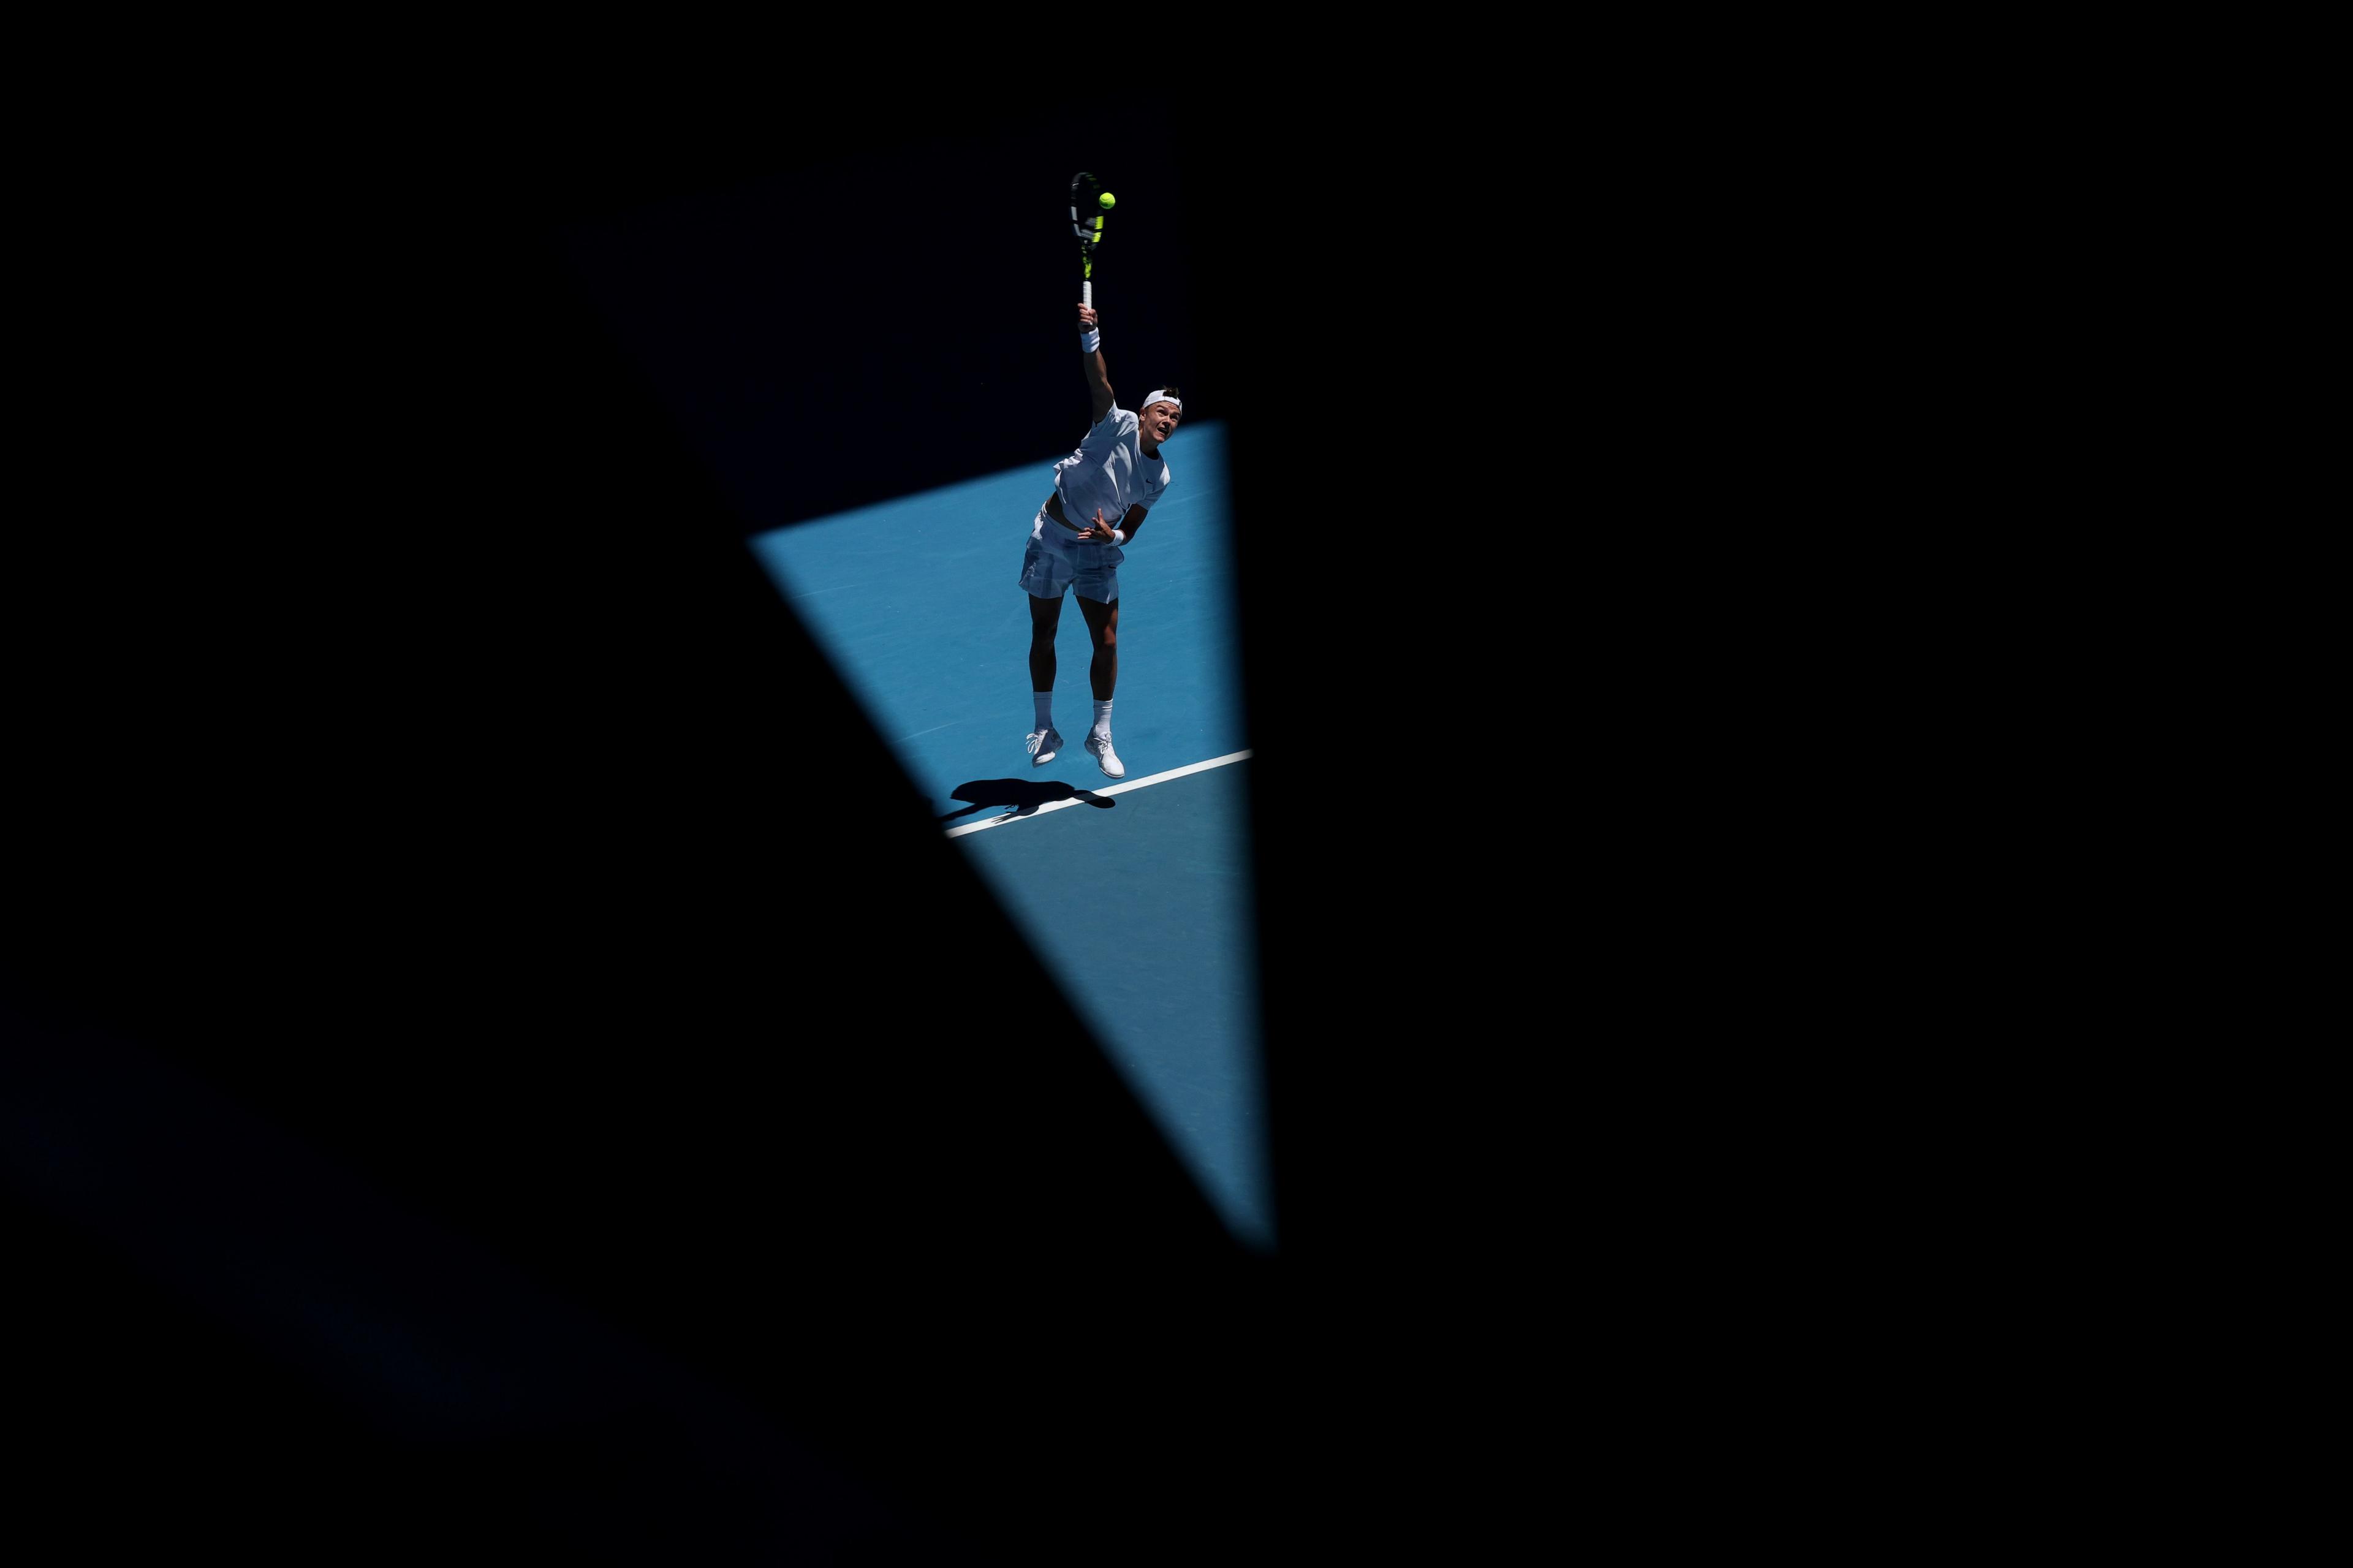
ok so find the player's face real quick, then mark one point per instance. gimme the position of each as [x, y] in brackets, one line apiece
[1159, 422]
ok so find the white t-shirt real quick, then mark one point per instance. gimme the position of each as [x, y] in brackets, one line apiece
[1109, 470]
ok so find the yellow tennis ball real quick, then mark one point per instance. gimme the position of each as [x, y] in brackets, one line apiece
[1108, 201]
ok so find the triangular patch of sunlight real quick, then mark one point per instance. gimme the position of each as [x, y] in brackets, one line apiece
[1143, 912]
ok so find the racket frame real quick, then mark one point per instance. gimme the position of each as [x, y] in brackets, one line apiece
[1084, 189]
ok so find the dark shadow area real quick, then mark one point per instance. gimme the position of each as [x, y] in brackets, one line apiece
[401, 732]
[323, 1347]
[404, 729]
[1025, 796]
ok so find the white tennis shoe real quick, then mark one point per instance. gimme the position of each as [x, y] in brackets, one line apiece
[1044, 744]
[1105, 758]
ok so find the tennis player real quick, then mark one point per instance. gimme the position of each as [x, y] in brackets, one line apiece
[1110, 481]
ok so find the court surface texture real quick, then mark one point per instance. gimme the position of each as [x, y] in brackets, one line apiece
[1142, 912]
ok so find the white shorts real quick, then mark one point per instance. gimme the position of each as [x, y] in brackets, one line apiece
[1058, 559]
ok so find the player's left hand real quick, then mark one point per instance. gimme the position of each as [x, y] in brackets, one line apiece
[1099, 529]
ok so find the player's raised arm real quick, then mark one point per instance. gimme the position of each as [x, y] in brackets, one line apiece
[1098, 377]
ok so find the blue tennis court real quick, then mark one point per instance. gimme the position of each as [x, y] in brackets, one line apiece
[1142, 912]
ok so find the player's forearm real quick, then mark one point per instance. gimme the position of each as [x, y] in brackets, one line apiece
[1091, 361]
[1130, 522]
[1099, 393]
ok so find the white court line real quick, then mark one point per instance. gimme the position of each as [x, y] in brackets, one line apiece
[1120, 788]
[949, 725]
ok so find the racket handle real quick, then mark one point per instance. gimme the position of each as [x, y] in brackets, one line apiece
[1087, 293]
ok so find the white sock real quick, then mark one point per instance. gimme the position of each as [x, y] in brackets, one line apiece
[1044, 702]
[1102, 718]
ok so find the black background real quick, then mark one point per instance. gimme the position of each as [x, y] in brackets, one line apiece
[831, 336]
[406, 735]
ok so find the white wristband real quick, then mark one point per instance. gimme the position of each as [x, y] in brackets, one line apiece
[1118, 536]
[1090, 340]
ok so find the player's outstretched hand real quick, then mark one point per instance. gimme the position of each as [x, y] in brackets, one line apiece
[1099, 529]
[1086, 318]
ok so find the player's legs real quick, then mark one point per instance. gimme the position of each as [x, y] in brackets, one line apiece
[1102, 631]
[1043, 742]
[1045, 615]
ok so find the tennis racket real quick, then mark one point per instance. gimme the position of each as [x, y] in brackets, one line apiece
[1086, 222]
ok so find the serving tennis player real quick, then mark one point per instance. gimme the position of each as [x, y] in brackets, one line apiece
[1111, 481]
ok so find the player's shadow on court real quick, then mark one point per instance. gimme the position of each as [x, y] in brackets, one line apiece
[1023, 795]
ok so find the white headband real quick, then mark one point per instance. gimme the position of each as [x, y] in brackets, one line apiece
[1160, 398]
